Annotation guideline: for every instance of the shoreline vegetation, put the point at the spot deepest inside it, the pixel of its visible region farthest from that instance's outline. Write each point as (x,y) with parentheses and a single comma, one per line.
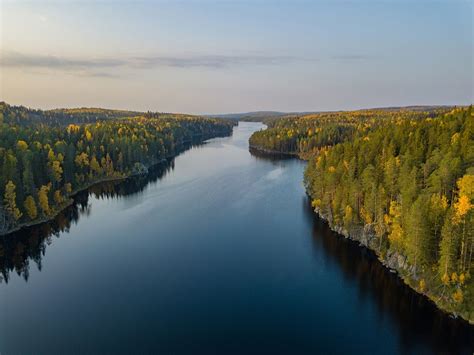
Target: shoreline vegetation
(399,182)
(21,248)
(275,153)
(47,157)
(73,194)
(59,209)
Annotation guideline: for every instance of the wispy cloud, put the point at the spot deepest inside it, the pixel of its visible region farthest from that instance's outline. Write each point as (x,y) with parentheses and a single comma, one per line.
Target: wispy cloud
(102,66)
(96,74)
(15,59)
(351,57)
(210,61)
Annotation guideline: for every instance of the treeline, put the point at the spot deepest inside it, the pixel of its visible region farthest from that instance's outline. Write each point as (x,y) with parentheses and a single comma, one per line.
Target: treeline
(43,163)
(403,183)
(305,135)
(23,116)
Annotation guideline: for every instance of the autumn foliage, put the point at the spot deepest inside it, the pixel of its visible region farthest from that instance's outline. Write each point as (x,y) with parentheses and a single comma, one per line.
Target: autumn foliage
(406,177)
(45,156)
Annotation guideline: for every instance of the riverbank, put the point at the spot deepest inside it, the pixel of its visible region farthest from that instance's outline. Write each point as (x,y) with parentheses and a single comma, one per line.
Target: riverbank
(69,200)
(273,153)
(395,262)
(139,248)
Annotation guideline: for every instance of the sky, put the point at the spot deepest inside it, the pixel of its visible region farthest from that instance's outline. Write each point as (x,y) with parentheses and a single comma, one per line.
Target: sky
(221,56)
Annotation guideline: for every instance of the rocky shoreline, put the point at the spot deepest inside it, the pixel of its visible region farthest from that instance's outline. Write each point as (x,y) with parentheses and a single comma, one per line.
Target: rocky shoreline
(395,262)
(365,236)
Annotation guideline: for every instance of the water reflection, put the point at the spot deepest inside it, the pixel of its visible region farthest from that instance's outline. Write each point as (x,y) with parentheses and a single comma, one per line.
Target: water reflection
(275,156)
(409,318)
(418,319)
(20,249)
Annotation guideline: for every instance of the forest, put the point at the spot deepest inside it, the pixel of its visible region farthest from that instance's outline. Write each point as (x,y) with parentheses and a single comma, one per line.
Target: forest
(305,135)
(47,156)
(400,181)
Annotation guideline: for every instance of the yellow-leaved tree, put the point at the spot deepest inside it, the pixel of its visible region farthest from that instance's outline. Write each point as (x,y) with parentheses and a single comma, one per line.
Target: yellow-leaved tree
(44,200)
(463,217)
(10,201)
(393,220)
(30,207)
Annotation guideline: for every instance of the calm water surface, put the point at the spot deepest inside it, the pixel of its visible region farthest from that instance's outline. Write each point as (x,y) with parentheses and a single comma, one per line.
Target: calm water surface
(217,252)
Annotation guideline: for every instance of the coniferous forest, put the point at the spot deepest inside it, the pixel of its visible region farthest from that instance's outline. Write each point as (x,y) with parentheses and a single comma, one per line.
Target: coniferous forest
(400,181)
(237,177)
(46,156)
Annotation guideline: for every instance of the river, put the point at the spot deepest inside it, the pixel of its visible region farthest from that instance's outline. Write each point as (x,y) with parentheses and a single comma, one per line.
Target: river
(216,252)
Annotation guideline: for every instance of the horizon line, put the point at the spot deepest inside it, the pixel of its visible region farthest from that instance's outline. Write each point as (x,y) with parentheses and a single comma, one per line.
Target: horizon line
(283,112)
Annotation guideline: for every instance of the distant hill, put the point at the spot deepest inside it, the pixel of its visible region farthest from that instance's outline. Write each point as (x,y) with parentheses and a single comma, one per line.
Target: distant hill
(269,116)
(414,108)
(25,116)
(243,116)
(257,116)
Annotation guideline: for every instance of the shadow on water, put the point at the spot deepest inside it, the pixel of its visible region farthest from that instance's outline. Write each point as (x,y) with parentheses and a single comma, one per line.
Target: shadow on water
(417,318)
(28,245)
(19,249)
(270,156)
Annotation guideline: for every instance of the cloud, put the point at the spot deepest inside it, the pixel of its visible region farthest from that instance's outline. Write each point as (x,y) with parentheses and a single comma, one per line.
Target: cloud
(15,59)
(101,66)
(96,74)
(351,57)
(211,61)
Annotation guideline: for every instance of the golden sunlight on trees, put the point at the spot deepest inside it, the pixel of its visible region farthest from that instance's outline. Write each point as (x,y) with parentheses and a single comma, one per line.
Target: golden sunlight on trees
(10,201)
(30,207)
(43,199)
(45,156)
(405,176)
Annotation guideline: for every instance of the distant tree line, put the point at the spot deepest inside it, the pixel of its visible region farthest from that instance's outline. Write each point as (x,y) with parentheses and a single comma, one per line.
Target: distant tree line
(305,135)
